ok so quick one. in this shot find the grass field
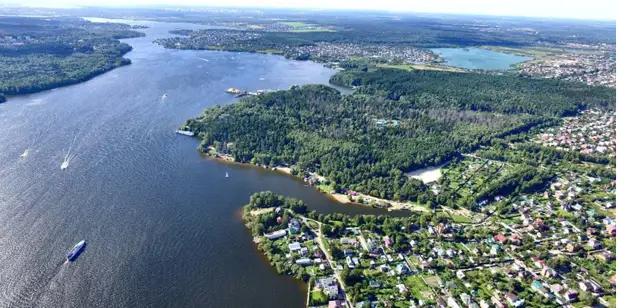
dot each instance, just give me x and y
(270, 51)
(409, 68)
(460, 219)
(296, 24)
(311, 30)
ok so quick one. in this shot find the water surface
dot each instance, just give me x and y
(161, 221)
(476, 58)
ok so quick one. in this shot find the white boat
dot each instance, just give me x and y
(226, 174)
(185, 132)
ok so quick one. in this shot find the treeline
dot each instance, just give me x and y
(39, 54)
(359, 142)
(478, 92)
(422, 31)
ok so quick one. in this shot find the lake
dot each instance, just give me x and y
(476, 58)
(162, 222)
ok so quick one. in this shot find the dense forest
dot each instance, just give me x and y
(419, 31)
(37, 54)
(480, 92)
(369, 140)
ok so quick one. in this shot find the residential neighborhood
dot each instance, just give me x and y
(549, 246)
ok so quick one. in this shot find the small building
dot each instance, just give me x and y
(374, 284)
(294, 246)
(500, 238)
(275, 234)
(401, 288)
(497, 302)
(573, 247)
(548, 272)
(571, 295)
(387, 241)
(452, 303)
(513, 300)
(336, 304)
(594, 243)
(402, 269)
(303, 262)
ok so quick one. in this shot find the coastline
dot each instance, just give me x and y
(341, 198)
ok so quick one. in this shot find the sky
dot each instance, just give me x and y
(581, 9)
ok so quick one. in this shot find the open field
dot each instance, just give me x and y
(409, 68)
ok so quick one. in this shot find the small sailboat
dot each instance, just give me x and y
(226, 174)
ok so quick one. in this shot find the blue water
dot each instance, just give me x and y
(476, 58)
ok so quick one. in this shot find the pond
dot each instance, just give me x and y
(476, 58)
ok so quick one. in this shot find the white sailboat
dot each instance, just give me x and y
(226, 174)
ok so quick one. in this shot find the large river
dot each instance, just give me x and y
(162, 222)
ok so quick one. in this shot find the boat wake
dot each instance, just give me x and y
(203, 59)
(69, 156)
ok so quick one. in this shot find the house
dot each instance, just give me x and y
(611, 230)
(351, 241)
(275, 234)
(571, 295)
(294, 246)
(402, 269)
(336, 304)
(460, 275)
(401, 288)
(465, 298)
(538, 286)
(374, 284)
(294, 226)
(497, 302)
(594, 243)
(484, 304)
(500, 238)
(513, 300)
(371, 246)
(329, 286)
(441, 303)
(548, 272)
(303, 261)
(557, 289)
(495, 249)
(570, 247)
(452, 303)
(539, 263)
(596, 288)
(606, 256)
(387, 241)
(350, 262)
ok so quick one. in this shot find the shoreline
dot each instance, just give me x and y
(301, 285)
(341, 198)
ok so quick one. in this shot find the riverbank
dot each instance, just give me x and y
(366, 200)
